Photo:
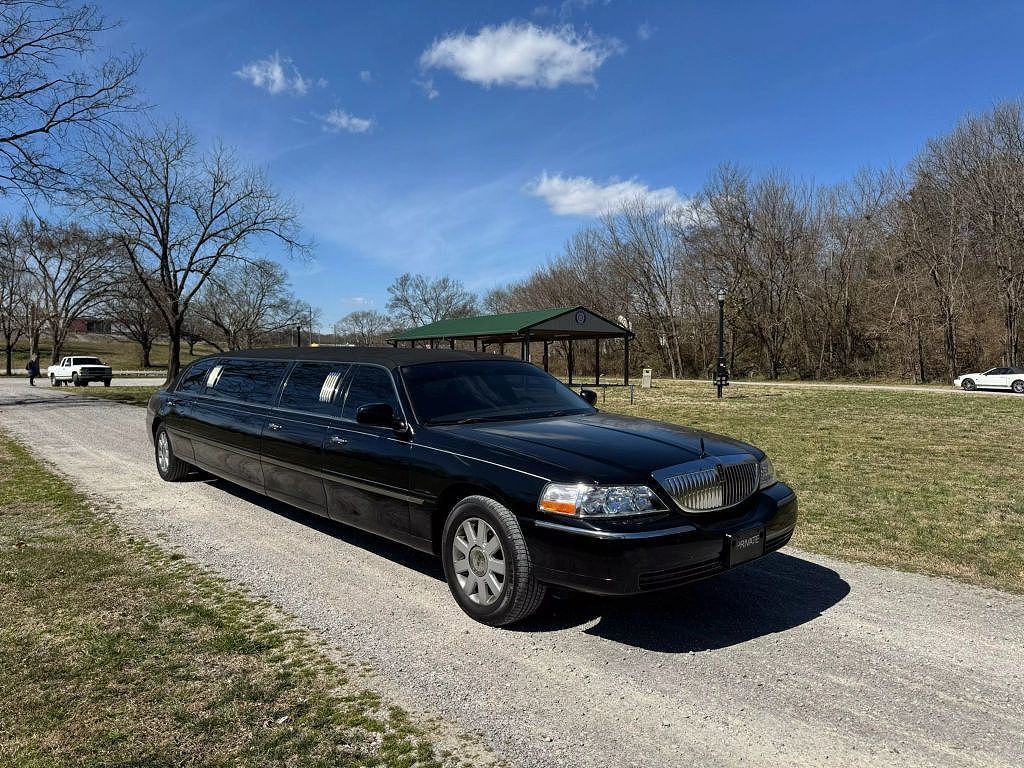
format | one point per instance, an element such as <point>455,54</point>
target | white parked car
<point>79,371</point>
<point>994,378</point>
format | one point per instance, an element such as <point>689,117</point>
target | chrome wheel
<point>479,561</point>
<point>163,452</point>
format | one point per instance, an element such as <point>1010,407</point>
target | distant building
<point>89,325</point>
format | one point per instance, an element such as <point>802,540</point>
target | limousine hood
<point>603,447</point>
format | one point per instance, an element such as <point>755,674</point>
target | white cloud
<point>522,55</point>
<point>366,76</point>
<point>339,120</point>
<point>582,196</point>
<point>645,31</point>
<point>427,84</point>
<point>275,75</point>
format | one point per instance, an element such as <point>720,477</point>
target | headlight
<point>767,473</point>
<point>584,500</point>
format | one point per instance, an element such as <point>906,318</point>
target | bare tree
<point>73,269</point>
<point>133,313</point>
<point>14,295</point>
<point>364,328</point>
<point>45,100</point>
<point>178,215</point>
<point>418,300</point>
<point>247,302</point>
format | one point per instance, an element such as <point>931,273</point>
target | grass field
<point>120,354</point>
<point>917,481</point>
<point>115,653</point>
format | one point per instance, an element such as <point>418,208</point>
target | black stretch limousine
<point>514,479</point>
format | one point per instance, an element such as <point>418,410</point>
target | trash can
<point>645,381</point>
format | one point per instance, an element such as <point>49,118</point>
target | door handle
<point>273,426</point>
<point>339,440</point>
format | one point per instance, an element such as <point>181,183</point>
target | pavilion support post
<point>501,348</point>
<point>476,345</point>
<point>526,350</point>
<point>597,362</point>
<point>571,361</point>
<point>451,343</point>
<point>625,362</point>
<point>545,356</point>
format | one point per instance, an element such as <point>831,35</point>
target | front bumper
<point>95,375</point>
<point>626,562</point>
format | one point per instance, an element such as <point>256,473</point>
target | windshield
<point>482,390</point>
<point>87,361</point>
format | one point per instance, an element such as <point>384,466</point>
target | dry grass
<point>917,481</point>
<point>115,653</point>
<point>132,395</point>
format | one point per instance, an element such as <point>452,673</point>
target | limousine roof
<point>389,356</point>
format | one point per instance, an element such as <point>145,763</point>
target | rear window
<point>195,376</point>
<point>370,385</point>
<point>312,387</point>
<point>250,381</point>
<point>87,361</point>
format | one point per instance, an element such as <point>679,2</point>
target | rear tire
<point>969,385</point>
<point>487,563</point>
<point>106,382</point>
<point>1018,386</point>
<point>171,468</point>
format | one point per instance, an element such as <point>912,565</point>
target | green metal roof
<point>509,324</point>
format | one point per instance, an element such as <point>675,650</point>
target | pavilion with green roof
<point>569,324</point>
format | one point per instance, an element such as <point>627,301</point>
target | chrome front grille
<point>712,483</point>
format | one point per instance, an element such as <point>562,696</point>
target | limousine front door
<point>366,474</point>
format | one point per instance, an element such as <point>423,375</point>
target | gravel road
<point>796,660</point>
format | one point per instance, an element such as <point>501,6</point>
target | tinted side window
<point>195,377</point>
<point>251,381</point>
<point>311,387</point>
<point>370,385</point>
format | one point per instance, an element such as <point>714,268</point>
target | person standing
<point>33,370</point>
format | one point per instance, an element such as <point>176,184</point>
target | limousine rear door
<point>295,432</point>
<point>227,420</point>
<point>366,470</point>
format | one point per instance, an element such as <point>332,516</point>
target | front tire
<point>969,385</point>
<point>487,563</point>
<point>170,467</point>
<point>1018,386</point>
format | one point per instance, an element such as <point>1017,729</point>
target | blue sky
<point>473,138</point>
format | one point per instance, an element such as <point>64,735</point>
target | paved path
<point>796,660</point>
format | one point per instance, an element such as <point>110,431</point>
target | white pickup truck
<point>79,371</point>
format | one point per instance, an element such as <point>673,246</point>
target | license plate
<point>743,546</point>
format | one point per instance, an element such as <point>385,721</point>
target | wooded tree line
<point>917,273</point>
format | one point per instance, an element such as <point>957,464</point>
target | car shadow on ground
<point>771,595</point>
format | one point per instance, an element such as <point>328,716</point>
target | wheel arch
<point>451,496</point>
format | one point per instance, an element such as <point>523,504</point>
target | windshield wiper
<point>469,420</point>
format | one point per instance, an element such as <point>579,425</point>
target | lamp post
<point>721,371</point>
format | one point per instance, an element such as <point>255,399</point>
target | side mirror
<point>589,395</point>
<point>376,414</point>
